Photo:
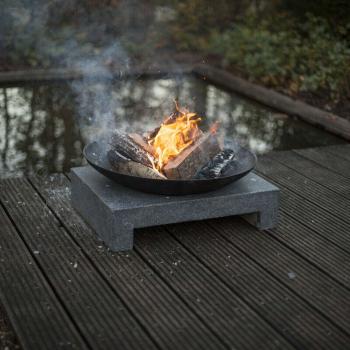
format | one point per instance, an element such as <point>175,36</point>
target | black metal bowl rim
<point>169,180</point>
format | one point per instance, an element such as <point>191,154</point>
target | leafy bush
<point>195,20</point>
<point>336,12</point>
<point>280,52</point>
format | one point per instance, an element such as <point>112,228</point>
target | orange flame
<point>174,135</point>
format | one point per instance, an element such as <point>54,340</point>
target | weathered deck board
<point>318,247</point>
<point>213,284</point>
<point>35,306</point>
<point>212,297</point>
<point>315,172</point>
<point>145,293</point>
<point>342,151</point>
<point>314,217</point>
<point>93,306</point>
<point>308,210</point>
<point>209,311</point>
<point>322,292</point>
<point>332,162</point>
<point>257,287</point>
<point>310,190</point>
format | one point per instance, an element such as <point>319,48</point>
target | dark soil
<point>341,108</point>
<point>8,339</point>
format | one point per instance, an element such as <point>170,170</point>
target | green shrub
<point>281,52</point>
<point>195,20</point>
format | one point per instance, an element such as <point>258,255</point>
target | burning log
<point>142,142</point>
<point>192,158</point>
<point>178,149</point>
<point>126,166</point>
<point>217,166</point>
<point>127,147</point>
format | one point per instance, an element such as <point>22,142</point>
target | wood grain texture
<point>150,299</point>
<point>281,307</point>
<point>29,300</point>
<point>96,310</point>
<point>192,158</point>
<point>215,284</point>
<point>327,160</point>
<point>313,171</point>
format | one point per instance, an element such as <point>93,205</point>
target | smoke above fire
<point>97,41</point>
<point>94,91</point>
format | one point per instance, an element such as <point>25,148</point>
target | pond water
<point>43,127</point>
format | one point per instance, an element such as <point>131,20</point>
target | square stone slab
<point>113,210</point>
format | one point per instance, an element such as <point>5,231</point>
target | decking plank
<point>221,305</point>
<point>96,310</point>
<point>306,209</point>
<point>310,190</point>
<point>294,271</point>
<point>342,151</point>
<point>321,221</point>
<point>145,293</point>
<point>316,249</point>
<point>330,161</point>
<point>219,311</point>
<point>309,237</point>
<point>214,284</point>
<point>333,181</point>
<point>36,314</point>
<point>302,324</point>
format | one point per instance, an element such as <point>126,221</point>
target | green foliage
<point>195,20</point>
<point>336,12</point>
<point>282,52</point>
<point>292,44</point>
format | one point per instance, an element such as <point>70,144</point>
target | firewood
<point>191,159</point>
<point>142,142</point>
<point>126,166</point>
<point>127,147</point>
<point>217,166</point>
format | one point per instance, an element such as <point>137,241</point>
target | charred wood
<point>142,142</point>
<point>123,165</point>
<point>217,166</point>
<point>127,147</point>
<point>194,157</point>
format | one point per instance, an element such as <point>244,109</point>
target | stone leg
<point>263,220</point>
<point>120,237</point>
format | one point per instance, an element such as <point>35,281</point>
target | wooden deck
<point>216,284</point>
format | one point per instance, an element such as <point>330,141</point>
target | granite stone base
<point>113,210</point>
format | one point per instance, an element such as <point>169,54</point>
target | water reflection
<point>42,128</point>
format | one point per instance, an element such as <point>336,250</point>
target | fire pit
<point>176,158</point>
<point>188,175</point>
<point>96,156</point>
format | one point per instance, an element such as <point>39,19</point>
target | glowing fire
<point>174,135</point>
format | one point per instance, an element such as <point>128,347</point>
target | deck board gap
<point>92,262</point>
<point>281,281</point>
<point>228,286</point>
<point>139,253</point>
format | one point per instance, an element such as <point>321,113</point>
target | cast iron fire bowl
<point>96,155</point>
